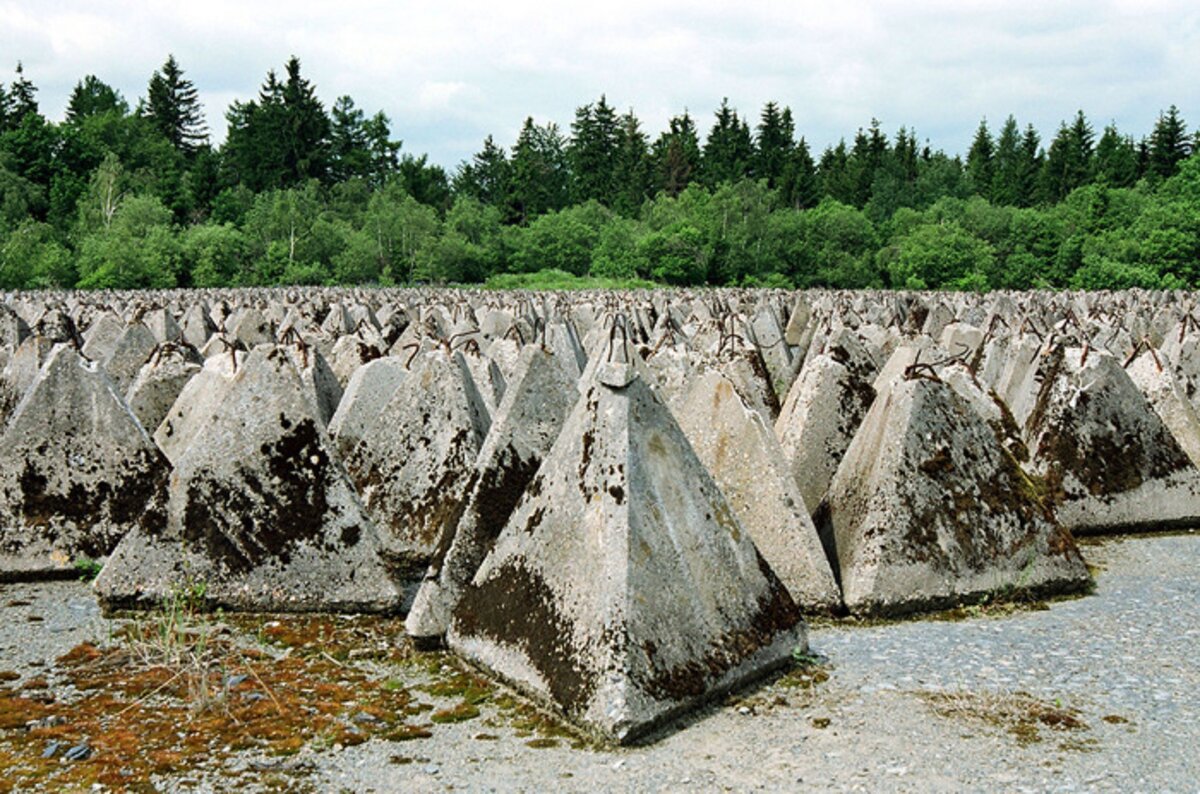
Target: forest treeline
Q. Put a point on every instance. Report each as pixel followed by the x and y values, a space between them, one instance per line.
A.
pixel 131 196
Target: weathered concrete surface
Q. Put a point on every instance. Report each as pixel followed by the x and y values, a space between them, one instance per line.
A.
pixel 1153 375
pixel 928 509
pixel 526 424
pixel 367 393
pixel 1105 460
pixel 77 471
pixel 160 381
pixel 130 352
pixel 623 591
pixel 261 515
pixel 820 417
pixel 743 456
pixel 197 405
pixel 413 464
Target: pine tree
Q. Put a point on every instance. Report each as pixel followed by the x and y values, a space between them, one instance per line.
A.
pixel 866 160
pixel 22 98
pixel 676 155
pixel 540 174
pixel 173 105
pixel 594 140
pixel 773 144
pixel 728 150
pixel 486 177
pixel 1068 163
pixel 799 186
pixel 308 128
pixel 93 97
pixel 1032 161
pixel 349 155
pixel 979 161
pixel 5 107
pixel 1169 144
pixel 833 173
pixel 906 156
pixel 1117 158
pixel 631 167
pixel 1007 166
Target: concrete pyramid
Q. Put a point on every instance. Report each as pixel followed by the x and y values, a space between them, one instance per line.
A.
pixel 928 509
pixel 197 405
pixel 13 329
pixel 743 456
pixel 623 591
pixel 368 391
pixel 1153 375
pixel 260 512
pixel 77 471
pixel 160 381
pixel 130 351
pixel 527 422
pixel 822 412
pixel 1106 460
pixel 413 463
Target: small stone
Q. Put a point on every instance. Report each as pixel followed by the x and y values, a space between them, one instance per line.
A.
pixel 80 752
pixel 51 749
pixel 432 769
pixel 234 680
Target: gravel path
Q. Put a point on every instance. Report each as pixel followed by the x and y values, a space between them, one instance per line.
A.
pixel 1123 661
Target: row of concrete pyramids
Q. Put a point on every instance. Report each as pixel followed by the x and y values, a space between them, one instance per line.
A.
pixel 609 553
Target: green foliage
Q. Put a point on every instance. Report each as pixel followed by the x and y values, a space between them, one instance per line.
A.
pixel 941 255
pixel 560 280
pixel 302 194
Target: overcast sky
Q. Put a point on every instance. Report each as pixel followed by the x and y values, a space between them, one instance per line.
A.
pixel 450 72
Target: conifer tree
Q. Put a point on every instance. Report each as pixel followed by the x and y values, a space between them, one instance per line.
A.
pixel 173 105
pixel 728 149
pixel 979 161
pixel 93 97
pixel 1169 144
pixel 1116 158
pixel 676 155
pixel 595 137
pixel 631 167
pixel 773 144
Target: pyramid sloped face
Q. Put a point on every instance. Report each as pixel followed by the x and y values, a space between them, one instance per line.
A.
pixel 259 511
pixel 77 471
pixel 1106 459
pixel 928 509
pixel 413 465
pixel 746 461
pixel 623 590
pixel 527 422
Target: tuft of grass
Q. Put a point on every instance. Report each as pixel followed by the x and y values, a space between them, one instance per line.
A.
pixel 1018 713
pixel 87 568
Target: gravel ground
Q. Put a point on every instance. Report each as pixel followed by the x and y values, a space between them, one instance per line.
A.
pixel 1121 662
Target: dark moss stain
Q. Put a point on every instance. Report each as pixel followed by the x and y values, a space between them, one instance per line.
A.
pixel 242 524
pixel 515 607
pixel 1092 444
pixel 136 497
pixel 617 493
pixel 775 612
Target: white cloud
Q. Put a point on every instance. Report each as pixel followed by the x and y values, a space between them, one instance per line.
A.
pixel 449 73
